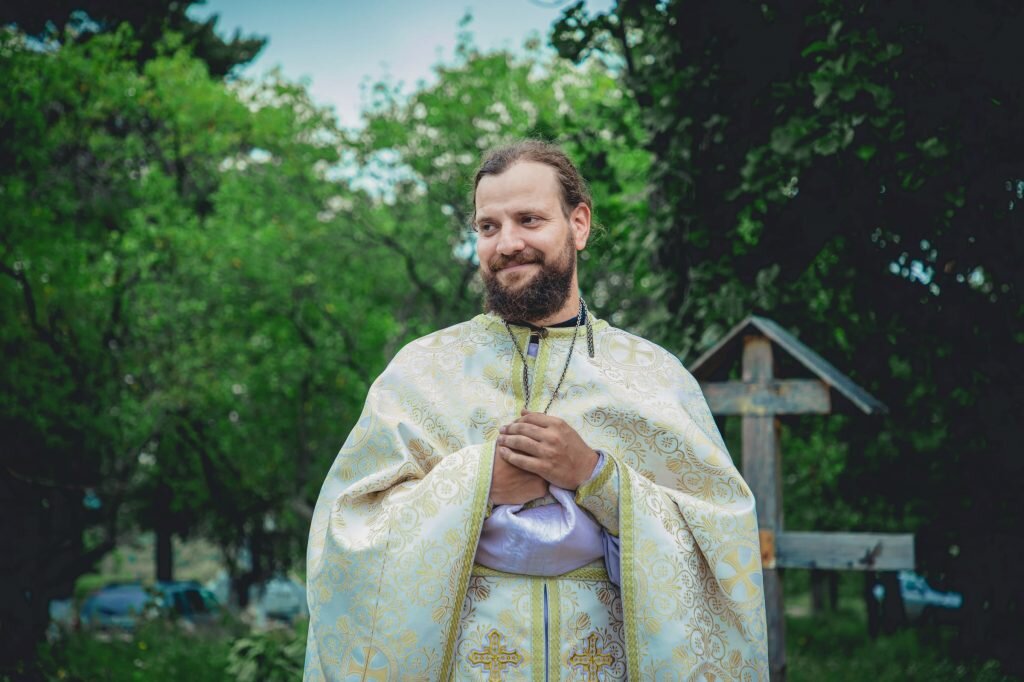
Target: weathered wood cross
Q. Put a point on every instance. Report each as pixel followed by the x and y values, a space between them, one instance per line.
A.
pixel 760 398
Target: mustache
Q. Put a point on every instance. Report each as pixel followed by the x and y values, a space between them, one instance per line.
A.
pixel 524 257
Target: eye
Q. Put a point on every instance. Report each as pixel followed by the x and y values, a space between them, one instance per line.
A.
pixel 486 229
pixel 530 220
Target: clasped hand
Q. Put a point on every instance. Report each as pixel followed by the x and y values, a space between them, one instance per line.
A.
pixel 536 450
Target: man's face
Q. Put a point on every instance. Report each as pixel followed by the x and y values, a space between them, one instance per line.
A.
pixel 526 244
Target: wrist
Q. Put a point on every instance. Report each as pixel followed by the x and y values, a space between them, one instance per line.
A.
pixel 589 468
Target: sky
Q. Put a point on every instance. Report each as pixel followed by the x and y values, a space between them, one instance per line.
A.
pixel 340 44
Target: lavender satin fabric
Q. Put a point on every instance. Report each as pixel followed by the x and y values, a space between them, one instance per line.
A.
pixel 547 540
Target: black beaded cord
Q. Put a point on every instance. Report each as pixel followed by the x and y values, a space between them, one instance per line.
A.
pixel 565 369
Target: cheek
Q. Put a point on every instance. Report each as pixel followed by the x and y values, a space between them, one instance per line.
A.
pixel 483 253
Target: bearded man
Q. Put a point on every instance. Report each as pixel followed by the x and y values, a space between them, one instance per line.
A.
pixel 534 494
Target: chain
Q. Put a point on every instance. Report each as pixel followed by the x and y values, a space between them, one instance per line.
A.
pixel 565 369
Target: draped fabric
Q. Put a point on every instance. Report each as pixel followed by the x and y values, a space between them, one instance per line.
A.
pixel 392 587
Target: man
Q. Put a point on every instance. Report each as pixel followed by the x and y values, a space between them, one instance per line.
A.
pixel 534 494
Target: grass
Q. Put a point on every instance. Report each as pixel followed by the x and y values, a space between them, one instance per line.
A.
pixel 835 647
pixel 829 647
pixel 160 650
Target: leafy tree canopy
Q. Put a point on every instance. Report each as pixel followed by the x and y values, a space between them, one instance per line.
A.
pixel 149 19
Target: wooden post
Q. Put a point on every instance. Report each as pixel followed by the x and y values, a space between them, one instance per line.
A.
pixel 760 398
pixel 762 471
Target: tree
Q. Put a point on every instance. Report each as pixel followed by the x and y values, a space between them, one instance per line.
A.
pixel 81 20
pixel 420 150
pixel 854 170
pixel 140 310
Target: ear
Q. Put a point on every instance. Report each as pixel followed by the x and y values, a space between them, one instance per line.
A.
pixel 579 223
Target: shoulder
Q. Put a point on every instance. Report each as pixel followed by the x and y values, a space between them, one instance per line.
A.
pixel 631 354
pixel 458 340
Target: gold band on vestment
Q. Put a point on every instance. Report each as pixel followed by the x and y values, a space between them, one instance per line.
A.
pixel 594 572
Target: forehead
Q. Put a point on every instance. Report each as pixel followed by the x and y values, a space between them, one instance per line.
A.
pixel 524 183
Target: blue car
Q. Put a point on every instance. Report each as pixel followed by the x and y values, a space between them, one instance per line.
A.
pixel 122 606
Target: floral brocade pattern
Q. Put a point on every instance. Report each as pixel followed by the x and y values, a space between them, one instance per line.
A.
pixel 395 527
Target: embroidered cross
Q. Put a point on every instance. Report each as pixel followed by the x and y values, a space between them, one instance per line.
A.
pixel 494 658
pixel 743 572
pixel 374 665
pixel 591 659
pixel 636 352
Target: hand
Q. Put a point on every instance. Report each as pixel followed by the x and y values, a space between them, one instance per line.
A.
pixel 548 447
pixel 510 485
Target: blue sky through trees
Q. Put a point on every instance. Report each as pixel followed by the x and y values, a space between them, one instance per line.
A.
pixel 341 44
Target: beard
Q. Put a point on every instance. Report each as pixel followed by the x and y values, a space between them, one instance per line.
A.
pixel 532 299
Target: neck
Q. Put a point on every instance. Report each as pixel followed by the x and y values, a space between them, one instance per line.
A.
pixel 570 309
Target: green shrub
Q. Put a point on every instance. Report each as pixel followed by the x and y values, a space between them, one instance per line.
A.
pixel 274 656
pixel 159 650
pixel 836 647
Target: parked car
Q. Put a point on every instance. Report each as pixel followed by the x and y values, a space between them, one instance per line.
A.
pixel 279 599
pixel 920 600
pixel 116 607
pixel 121 606
pixel 190 601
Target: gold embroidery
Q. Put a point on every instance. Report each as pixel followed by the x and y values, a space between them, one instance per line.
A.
pixel 632 351
pixel 369 663
pixel 409 488
pixel 554 626
pixel 494 658
pixel 593 572
pixel 600 496
pixel 591 659
pixel 744 571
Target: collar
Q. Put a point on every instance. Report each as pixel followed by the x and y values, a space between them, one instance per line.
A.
pixel 571 322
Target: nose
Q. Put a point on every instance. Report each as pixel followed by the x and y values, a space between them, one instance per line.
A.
pixel 510 240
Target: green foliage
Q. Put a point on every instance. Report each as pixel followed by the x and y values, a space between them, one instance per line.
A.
pixel 81 20
pixel 834 647
pixel 854 172
pixel 419 151
pixel 160 650
pixel 199 280
pixel 163 650
pixel 177 306
pixel 273 656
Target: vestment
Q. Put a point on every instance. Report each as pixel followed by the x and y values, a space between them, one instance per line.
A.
pixel 392 587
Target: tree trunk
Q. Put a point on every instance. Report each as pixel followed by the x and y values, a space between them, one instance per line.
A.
pixel 164 554
pixel 164 547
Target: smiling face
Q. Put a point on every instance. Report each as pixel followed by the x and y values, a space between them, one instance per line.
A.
pixel 527 245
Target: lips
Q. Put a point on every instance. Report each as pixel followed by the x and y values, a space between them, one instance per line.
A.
pixel 515 266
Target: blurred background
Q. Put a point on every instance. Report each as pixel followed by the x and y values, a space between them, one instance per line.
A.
pixel 220 221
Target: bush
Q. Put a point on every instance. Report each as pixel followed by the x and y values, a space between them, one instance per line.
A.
pixel 835 646
pixel 273 656
pixel 159 650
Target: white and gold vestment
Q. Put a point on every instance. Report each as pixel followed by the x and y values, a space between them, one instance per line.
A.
pixel 393 590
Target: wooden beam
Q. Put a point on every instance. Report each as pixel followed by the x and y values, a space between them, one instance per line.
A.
pixel 790 396
pixel 845 551
pixel 762 471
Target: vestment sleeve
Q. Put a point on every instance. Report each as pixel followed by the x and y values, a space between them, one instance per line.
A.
pixel 688 546
pixel 600 495
pixel 392 540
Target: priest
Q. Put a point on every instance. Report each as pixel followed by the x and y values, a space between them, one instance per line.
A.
pixel 534 494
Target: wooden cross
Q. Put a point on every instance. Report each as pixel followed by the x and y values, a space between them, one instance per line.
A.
pixel 591 659
pixel 760 398
pixel 494 658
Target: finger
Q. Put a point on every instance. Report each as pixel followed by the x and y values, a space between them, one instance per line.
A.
pixel 524 444
pixel 520 461
pixel 538 419
pixel 524 429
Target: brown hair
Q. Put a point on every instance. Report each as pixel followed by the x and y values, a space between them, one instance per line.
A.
pixel 574 187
